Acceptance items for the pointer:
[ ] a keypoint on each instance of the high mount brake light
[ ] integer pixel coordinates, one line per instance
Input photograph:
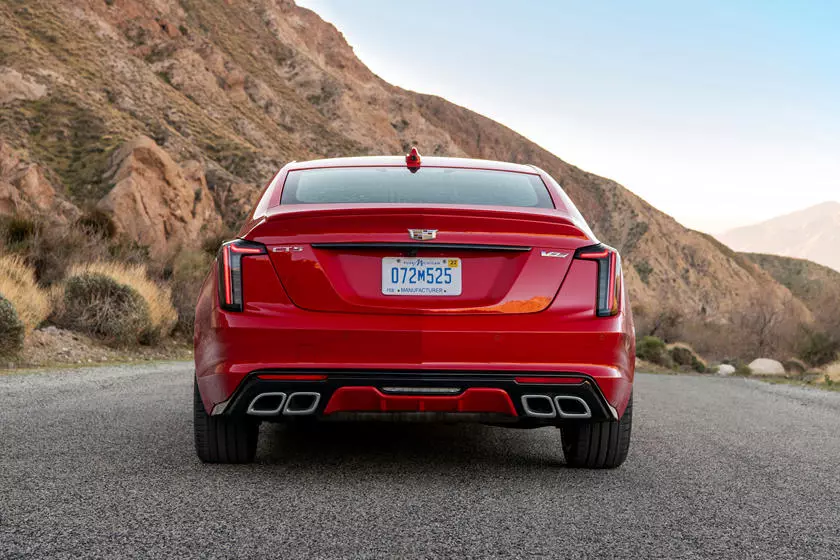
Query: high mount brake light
(230, 271)
(412, 160)
(609, 277)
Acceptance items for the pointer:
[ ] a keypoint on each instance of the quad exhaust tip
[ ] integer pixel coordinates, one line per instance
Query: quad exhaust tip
(267, 404)
(562, 406)
(539, 406)
(569, 406)
(296, 404)
(302, 403)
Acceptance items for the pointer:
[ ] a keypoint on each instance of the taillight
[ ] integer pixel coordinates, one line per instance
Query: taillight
(609, 277)
(230, 271)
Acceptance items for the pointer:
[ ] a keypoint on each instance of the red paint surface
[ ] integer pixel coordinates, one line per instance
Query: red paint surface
(370, 399)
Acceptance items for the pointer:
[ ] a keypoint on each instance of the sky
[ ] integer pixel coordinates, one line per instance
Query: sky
(720, 113)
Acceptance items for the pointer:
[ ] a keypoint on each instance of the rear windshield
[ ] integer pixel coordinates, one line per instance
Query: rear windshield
(429, 185)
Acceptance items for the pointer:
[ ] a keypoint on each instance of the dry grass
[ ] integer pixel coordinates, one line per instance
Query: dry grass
(833, 371)
(158, 299)
(18, 285)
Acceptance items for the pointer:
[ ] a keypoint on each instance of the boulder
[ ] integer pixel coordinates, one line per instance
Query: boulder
(725, 369)
(25, 190)
(157, 202)
(766, 366)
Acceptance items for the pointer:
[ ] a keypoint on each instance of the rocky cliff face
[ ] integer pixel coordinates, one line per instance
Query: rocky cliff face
(157, 202)
(227, 91)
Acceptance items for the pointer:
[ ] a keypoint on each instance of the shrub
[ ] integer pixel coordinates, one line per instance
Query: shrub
(742, 369)
(211, 243)
(53, 248)
(11, 329)
(188, 272)
(18, 230)
(97, 223)
(819, 348)
(795, 366)
(684, 355)
(117, 303)
(653, 350)
(101, 306)
(18, 287)
(665, 323)
(644, 270)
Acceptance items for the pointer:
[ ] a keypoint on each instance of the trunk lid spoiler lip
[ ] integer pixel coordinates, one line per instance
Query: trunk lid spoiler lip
(419, 245)
(304, 211)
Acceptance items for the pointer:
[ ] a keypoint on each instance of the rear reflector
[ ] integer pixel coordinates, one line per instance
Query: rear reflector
(609, 277)
(549, 380)
(371, 399)
(291, 377)
(230, 271)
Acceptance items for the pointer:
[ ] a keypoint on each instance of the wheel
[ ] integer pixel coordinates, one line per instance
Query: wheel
(223, 439)
(598, 445)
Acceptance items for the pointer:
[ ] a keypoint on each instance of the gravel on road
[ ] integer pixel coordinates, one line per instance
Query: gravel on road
(99, 462)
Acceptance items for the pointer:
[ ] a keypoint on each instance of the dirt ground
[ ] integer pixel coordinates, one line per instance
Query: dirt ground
(52, 346)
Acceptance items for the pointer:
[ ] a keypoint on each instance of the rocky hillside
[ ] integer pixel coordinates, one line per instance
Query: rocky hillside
(167, 116)
(812, 233)
(815, 285)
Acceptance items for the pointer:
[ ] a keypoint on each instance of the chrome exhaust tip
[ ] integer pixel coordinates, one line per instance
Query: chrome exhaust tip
(302, 403)
(267, 404)
(575, 407)
(538, 406)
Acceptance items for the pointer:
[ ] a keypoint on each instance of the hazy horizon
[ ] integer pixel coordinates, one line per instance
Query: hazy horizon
(722, 114)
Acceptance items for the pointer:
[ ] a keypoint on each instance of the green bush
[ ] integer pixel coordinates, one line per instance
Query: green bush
(11, 329)
(653, 350)
(742, 369)
(101, 306)
(684, 355)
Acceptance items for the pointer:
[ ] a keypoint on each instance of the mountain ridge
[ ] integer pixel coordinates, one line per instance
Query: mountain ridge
(810, 234)
(232, 90)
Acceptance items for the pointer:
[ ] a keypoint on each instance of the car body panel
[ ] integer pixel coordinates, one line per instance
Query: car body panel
(313, 308)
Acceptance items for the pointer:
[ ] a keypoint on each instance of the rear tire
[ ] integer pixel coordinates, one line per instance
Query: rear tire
(598, 445)
(220, 439)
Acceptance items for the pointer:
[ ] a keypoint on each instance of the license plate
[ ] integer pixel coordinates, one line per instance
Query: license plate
(415, 276)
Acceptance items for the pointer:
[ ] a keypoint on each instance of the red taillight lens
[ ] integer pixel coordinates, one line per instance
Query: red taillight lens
(609, 277)
(230, 271)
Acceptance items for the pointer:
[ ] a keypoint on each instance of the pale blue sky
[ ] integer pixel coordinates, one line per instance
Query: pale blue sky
(720, 113)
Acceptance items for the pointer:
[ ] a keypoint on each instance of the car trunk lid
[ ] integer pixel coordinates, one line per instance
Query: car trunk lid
(343, 259)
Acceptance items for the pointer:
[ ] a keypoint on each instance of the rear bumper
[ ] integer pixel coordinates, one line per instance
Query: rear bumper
(232, 347)
(501, 397)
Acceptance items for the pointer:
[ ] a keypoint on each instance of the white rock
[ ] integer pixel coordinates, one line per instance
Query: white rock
(725, 369)
(766, 366)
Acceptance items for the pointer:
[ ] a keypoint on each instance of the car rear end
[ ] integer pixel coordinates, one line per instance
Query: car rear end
(458, 290)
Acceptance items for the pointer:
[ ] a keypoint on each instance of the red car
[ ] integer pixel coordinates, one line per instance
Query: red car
(390, 288)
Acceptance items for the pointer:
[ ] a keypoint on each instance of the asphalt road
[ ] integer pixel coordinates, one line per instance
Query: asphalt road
(100, 463)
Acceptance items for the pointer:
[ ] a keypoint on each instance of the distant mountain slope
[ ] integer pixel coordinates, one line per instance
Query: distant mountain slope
(813, 234)
(231, 90)
(811, 283)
